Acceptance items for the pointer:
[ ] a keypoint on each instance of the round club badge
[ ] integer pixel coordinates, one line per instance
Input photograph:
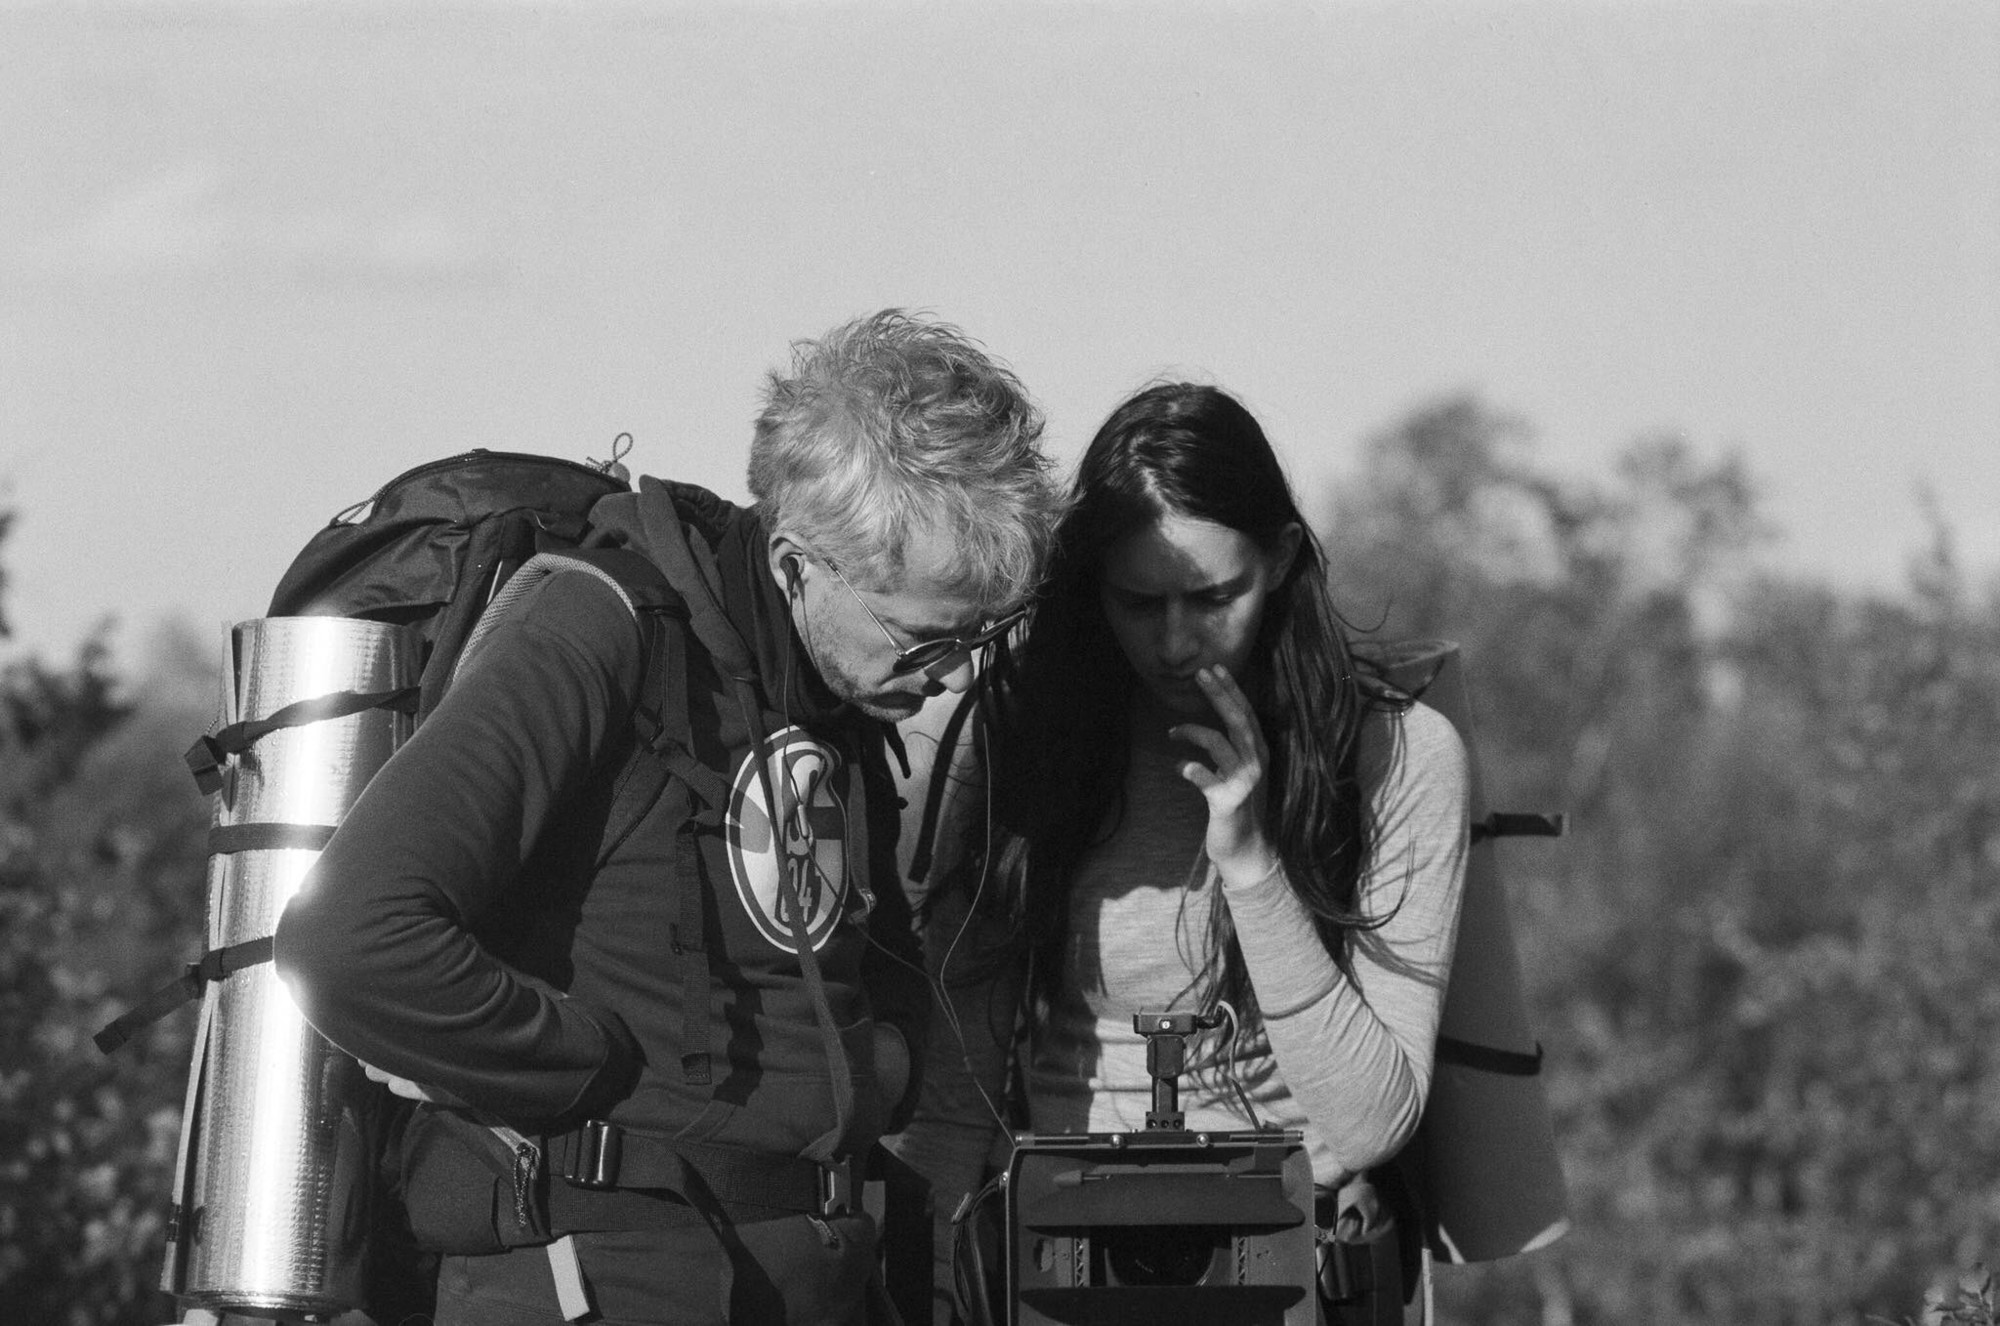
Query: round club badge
(807, 853)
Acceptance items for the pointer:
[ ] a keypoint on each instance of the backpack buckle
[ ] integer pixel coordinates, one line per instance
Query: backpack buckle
(205, 760)
(594, 1154)
(837, 1188)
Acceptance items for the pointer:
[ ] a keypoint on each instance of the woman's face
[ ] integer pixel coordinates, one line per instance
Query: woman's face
(1184, 594)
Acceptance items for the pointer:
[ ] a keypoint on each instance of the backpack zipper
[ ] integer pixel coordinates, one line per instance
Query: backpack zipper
(527, 1166)
(347, 516)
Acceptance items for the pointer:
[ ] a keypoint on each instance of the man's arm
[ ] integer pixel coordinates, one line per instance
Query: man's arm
(378, 945)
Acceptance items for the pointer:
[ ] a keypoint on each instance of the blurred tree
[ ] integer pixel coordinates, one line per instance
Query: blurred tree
(1763, 961)
(101, 862)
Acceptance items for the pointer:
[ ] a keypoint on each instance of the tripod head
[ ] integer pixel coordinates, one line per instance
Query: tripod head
(1166, 1059)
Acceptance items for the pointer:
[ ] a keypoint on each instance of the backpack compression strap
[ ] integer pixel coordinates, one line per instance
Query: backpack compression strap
(217, 963)
(1488, 1058)
(206, 757)
(1519, 824)
(213, 965)
(205, 760)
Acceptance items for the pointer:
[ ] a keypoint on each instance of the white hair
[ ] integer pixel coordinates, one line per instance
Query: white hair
(894, 425)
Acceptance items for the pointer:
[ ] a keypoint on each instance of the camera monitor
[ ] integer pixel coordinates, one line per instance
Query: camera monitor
(1161, 1226)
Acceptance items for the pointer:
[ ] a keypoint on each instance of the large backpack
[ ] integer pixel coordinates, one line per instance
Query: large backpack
(433, 550)
(430, 550)
(435, 544)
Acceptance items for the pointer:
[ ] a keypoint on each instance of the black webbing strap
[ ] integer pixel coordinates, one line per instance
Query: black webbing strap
(791, 908)
(920, 860)
(213, 965)
(1511, 824)
(690, 951)
(602, 1155)
(663, 722)
(206, 756)
(666, 661)
(1487, 1059)
(841, 1077)
(696, 579)
(225, 839)
(708, 786)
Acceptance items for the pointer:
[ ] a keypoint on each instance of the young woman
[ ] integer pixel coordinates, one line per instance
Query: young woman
(1200, 796)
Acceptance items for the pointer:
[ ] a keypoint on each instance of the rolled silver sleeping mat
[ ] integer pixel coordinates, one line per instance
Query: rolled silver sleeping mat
(274, 1183)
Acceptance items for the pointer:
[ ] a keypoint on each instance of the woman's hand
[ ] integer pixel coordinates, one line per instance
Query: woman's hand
(1234, 787)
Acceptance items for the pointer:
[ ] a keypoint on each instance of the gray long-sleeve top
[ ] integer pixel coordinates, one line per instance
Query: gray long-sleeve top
(1348, 1062)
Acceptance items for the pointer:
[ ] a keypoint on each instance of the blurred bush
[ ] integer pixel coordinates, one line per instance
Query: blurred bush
(1763, 962)
(101, 868)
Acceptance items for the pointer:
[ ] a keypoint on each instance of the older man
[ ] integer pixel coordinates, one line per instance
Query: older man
(654, 1041)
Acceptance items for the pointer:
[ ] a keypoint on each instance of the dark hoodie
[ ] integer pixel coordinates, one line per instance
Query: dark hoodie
(471, 927)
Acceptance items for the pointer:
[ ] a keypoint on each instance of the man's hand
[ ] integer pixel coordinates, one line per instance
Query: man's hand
(408, 1090)
(892, 1062)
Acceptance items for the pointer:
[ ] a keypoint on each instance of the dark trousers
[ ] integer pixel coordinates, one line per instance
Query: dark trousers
(784, 1272)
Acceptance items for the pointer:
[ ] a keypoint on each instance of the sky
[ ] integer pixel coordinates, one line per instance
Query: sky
(257, 258)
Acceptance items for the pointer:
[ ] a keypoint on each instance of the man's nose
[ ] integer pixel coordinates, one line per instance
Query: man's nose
(952, 673)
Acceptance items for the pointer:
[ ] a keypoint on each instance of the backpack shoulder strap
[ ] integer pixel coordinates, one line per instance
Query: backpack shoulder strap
(662, 614)
(663, 725)
(942, 769)
(495, 547)
(691, 569)
(636, 581)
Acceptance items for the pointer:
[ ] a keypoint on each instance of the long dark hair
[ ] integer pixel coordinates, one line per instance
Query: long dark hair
(1062, 733)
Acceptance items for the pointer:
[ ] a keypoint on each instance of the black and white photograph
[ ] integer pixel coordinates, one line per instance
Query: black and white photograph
(999, 662)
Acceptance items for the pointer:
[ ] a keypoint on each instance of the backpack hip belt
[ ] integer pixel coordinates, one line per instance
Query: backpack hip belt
(601, 1156)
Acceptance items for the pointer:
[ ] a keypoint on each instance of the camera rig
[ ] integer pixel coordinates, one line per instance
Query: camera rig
(1161, 1226)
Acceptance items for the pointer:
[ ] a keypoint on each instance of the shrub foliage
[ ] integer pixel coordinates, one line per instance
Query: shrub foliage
(1763, 960)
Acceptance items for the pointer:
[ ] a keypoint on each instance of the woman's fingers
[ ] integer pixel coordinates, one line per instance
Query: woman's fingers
(1232, 782)
(1233, 707)
(1233, 787)
(1200, 775)
(1220, 753)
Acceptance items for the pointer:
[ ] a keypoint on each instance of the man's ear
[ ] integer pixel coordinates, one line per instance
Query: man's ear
(787, 560)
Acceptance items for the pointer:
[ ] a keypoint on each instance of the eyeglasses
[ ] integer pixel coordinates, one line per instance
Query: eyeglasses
(929, 653)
